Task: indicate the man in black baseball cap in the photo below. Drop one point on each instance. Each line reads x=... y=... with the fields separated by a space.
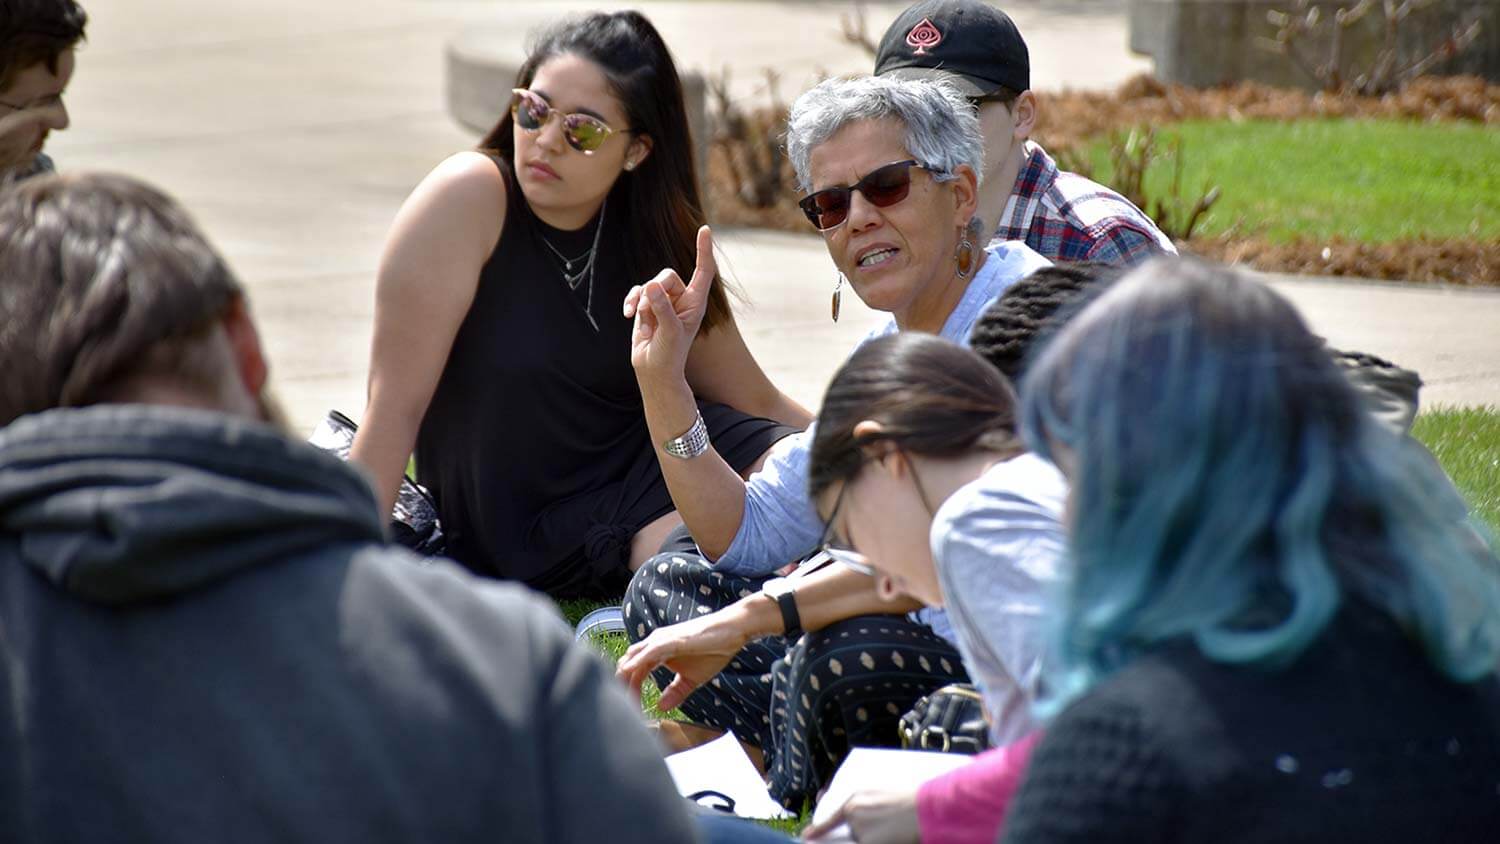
x=1023 y=195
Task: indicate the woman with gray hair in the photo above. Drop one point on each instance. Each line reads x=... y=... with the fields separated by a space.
x=801 y=668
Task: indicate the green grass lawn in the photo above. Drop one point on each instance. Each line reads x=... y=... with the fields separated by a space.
x=1466 y=441
x=1367 y=180
x=613 y=647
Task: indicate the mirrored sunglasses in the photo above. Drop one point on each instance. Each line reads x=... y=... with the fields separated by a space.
x=883 y=187
x=584 y=132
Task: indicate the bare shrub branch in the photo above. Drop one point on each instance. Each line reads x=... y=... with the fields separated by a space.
x=1133 y=156
x=750 y=143
x=1296 y=27
x=856 y=29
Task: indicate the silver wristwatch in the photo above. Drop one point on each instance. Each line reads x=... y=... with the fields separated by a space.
x=691 y=444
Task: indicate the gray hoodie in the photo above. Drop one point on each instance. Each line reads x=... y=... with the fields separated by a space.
x=205 y=638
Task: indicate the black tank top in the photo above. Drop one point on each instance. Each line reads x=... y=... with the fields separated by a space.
x=534 y=405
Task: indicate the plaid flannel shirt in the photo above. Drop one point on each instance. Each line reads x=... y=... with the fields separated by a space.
x=1066 y=217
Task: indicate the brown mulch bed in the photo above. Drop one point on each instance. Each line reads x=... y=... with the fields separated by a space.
x=1071 y=118
x=1445 y=261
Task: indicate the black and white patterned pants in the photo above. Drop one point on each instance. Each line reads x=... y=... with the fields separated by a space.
x=803 y=704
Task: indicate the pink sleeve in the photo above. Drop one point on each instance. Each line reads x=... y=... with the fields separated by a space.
x=968 y=804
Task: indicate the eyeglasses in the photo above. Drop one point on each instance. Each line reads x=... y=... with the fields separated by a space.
x=584 y=132
x=838 y=548
x=884 y=186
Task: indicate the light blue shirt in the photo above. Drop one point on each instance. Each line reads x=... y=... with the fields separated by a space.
x=999 y=548
x=780 y=523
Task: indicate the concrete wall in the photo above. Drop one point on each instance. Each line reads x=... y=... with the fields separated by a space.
x=481 y=71
x=1210 y=42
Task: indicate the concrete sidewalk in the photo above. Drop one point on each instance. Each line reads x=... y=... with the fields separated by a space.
x=294 y=130
x=1449 y=335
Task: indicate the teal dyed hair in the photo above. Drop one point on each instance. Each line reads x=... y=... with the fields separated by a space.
x=1228 y=486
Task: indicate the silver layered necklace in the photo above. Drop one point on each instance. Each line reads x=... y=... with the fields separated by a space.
x=585 y=264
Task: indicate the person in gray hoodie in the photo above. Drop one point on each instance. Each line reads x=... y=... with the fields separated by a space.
x=204 y=634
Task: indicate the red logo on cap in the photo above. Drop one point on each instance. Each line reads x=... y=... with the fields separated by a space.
x=924 y=35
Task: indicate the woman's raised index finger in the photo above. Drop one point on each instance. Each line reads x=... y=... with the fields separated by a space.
x=707 y=266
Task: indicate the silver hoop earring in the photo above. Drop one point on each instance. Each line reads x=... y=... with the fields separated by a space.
x=837 y=289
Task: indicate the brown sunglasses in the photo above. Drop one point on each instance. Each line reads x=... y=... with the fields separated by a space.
x=884 y=186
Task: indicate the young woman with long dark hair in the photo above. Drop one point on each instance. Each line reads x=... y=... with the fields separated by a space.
x=500 y=352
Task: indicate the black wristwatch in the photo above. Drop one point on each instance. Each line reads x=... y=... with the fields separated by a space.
x=779 y=589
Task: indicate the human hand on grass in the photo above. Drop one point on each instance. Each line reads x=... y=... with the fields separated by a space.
x=694 y=650
x=874 y=817
x=668 y=313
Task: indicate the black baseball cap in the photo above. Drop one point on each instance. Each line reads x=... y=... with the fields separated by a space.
x=972 y=45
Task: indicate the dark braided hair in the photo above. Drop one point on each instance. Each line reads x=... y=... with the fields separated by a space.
x=1007 y=331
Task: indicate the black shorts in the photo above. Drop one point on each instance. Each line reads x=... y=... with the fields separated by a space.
x=597 y=526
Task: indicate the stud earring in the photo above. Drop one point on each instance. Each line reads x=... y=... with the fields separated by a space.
x=837 y=290
x=630 y=165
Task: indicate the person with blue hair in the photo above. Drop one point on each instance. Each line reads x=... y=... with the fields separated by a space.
x=1280 y=623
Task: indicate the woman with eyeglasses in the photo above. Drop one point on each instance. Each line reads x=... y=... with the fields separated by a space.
x=925 y=485
x=500 y=354
x=1278 y=623
x=889 y=167
x=988 y=551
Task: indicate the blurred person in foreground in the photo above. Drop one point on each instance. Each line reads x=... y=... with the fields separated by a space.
x=38 y=39
x=205 y=636
x=1278 y=625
